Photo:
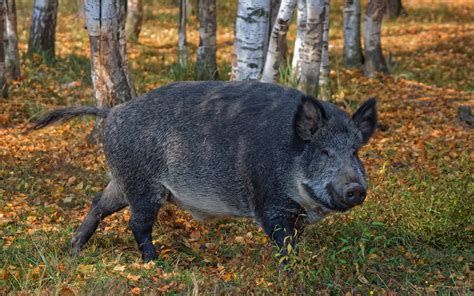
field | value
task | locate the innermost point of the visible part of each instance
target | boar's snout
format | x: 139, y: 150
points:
x: 354, y: 194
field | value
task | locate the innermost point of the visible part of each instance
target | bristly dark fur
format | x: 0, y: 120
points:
x: 64, y: 114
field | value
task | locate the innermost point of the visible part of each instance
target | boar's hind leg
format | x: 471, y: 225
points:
x: 104, y: 204
x: 143, y: 216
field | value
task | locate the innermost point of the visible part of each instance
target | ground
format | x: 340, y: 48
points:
x: 414, y: 234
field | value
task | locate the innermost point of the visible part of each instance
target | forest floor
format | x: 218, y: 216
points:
x: 414, y: 234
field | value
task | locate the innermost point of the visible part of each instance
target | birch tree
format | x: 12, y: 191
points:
x: 12, y: 56
x: 182, y: 43
x: 300, y: 33
x: 206, y: 53
x: 395, y: 8
x: 274, y: 8
x: 3, y: 82
x: 353, y: 57
x: 134, y: 19
x: 374, y: 59
x: 277, y: 42
x: 324, y: 77
x: 43, y: 28
x: 105, y: 20
x: 312, y: 47
x: 251, y: 30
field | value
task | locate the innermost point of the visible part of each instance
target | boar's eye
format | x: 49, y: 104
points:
x: 325, y: 152
x: 354, y: 153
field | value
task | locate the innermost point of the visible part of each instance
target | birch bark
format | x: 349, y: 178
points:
x: 251, y: 29
x: 277, y: 44
x: 374, y: 59
x: 43, y: 28
x: 353, y: 57
x: 274, y: 8
x: 324, y: 77
x: 300, y: 33
x: 312, y: 48
x: 182, y: 44
x: 109, y: 63
x: 206, y: 53
x: 3, y: 82
x: 12, y: 56
x: 134, y: 19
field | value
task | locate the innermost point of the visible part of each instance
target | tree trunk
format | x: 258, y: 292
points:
x: 274, y: 8
x: 122, y: 40
x: 300, y: 32
x: 134, y: 20
x: 43, y: 28
x: 3, y: 82
x: 395, y: 8
x: 324, y: 77
x: 374, y: 59
x: 312, y: 48
x: 277, y: 44
x: 182, y: 44
x: 105, y: 21
x: 206, y: 53
x: 12, y: 55
x: 353, y: 57
x: 251, y: 29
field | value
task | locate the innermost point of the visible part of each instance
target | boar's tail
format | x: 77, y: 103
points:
x: 64, y: 114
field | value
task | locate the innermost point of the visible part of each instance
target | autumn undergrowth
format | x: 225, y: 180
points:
x: 414, y: 234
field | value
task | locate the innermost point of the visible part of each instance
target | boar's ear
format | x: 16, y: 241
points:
x: 366, y: 118
x: 309, y: 118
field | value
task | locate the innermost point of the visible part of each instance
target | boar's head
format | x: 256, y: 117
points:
x: 330, y: 174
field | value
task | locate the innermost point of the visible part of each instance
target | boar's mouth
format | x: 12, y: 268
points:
x: 334, y: 204
x: 337, y: 200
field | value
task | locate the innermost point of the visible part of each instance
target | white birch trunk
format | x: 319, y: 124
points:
x: 134, y: 19
x: 274, y: 8
x: 3, y: 81
x: 105, y: 20
x: 206, y: 53
x: 374, y: 59
x: 251, y: 29
x: 277, y: 43
x: 12, y: 56
x: 353, y: 57
x: 182, y: 43
x: 108, y: 52
x: 312, y: 48
x: 324, y: 77
x: 300, y: 33
x: 43, y: 28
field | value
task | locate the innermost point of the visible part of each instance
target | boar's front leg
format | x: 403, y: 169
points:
x: 104, y: 204
x: 279, y: 223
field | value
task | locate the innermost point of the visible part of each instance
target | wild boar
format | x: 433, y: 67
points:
x: 219, y: 149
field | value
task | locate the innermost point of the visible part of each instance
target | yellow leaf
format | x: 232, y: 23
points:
x: 132, y: 277
x: 149, y: 265
x: 136, y: 291
x: 3, y: 274
x: 80, y: 186
x: 119, y: 268
x: 85, y: 268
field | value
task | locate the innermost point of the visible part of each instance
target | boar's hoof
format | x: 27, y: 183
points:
x: 149, y: 254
